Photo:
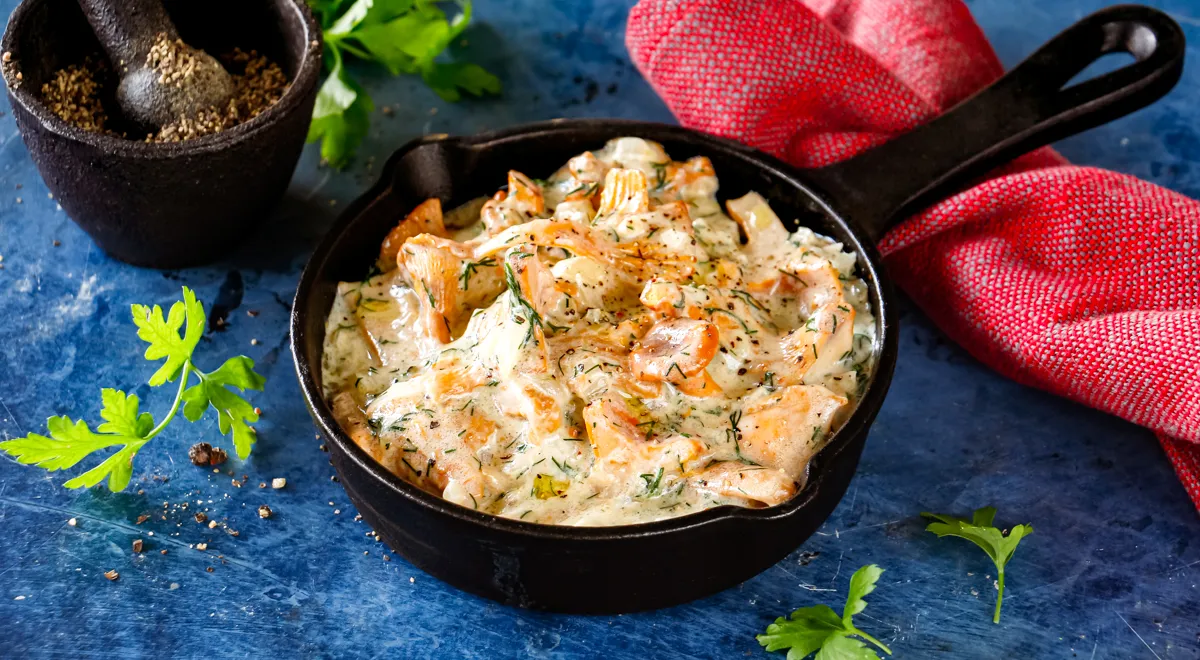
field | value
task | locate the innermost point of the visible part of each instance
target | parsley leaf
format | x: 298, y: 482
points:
x: 446, y: 79
x: 405, y: 36
x: 818, y: 629
x: 120, y: 414
x: 979, y: 530
x: 69, y: 442
x: 163, y: 334
x: 172, y: 338
x: 341, y: 115
x: 233, y: 412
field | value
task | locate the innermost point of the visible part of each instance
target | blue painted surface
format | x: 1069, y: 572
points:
x: 1110, y: 573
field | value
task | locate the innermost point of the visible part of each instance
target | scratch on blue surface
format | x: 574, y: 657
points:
x: 134, y: 531
x: 11, y: 418
x: 1184, y: 19
x: 1139, y: 636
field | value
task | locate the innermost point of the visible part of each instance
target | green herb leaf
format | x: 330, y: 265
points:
x: 818, y: 629
x: 233, y: 412
x: 546, y: 487
x: 121, y: 416
x: 125, y: 426
x: 845, y: 648
x: 327, y: 11
x: 408, y: 43
x: 979, y: 530
x: 341, y: 115
x: 163, y: 334
x: 520, y: 304
x: 862, y: 583
x: 446, y: 79
x: 405, y: 36
x: 118, y: 468
x: 353, y: 16
x: 69, y: 442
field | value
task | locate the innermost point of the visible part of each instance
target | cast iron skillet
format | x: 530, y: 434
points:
x: 637, y: 567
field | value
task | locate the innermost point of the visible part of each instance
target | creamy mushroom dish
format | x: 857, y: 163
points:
x: 606, y: 346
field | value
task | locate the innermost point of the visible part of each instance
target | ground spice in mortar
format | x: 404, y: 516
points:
x: 176, y: 61
x: 258, y: 83
x: 74, y: 93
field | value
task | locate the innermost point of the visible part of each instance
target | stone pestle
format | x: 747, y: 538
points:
x: 162, y: 79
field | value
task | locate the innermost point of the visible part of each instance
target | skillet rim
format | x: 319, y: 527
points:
x: 855, y: 428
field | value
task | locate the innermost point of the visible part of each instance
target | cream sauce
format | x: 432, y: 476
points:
x: 604, y: 347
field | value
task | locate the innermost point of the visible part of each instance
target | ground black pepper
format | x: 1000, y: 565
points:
x: 75, y: 93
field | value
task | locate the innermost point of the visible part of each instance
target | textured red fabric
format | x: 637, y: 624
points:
x: 1079, y: 281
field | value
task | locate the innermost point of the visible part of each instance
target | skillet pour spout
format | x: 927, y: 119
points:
x: 638, y: 567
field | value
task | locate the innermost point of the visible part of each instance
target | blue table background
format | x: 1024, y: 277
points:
x: 1110, y: 573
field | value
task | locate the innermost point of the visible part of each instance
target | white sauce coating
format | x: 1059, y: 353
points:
x: 604, y: 347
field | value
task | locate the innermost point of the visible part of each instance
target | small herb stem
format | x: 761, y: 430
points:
x: 184, y: 373
x: 874, y: 641
x: 353, y: 50
x: 999, y: 595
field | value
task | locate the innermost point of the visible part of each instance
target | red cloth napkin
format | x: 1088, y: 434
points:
x: 1079, y: 281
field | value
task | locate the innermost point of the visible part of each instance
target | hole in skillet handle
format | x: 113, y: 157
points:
x: 1029, y: 107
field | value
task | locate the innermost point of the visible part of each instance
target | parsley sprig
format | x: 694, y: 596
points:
x: 173, y: 339
x: 405, y: 36
x: 979, y: 530
x: 818, y: 629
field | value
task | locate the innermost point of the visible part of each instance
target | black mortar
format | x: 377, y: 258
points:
x: 166, y: 205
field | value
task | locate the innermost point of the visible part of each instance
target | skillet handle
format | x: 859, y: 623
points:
x: 1025, y: 109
